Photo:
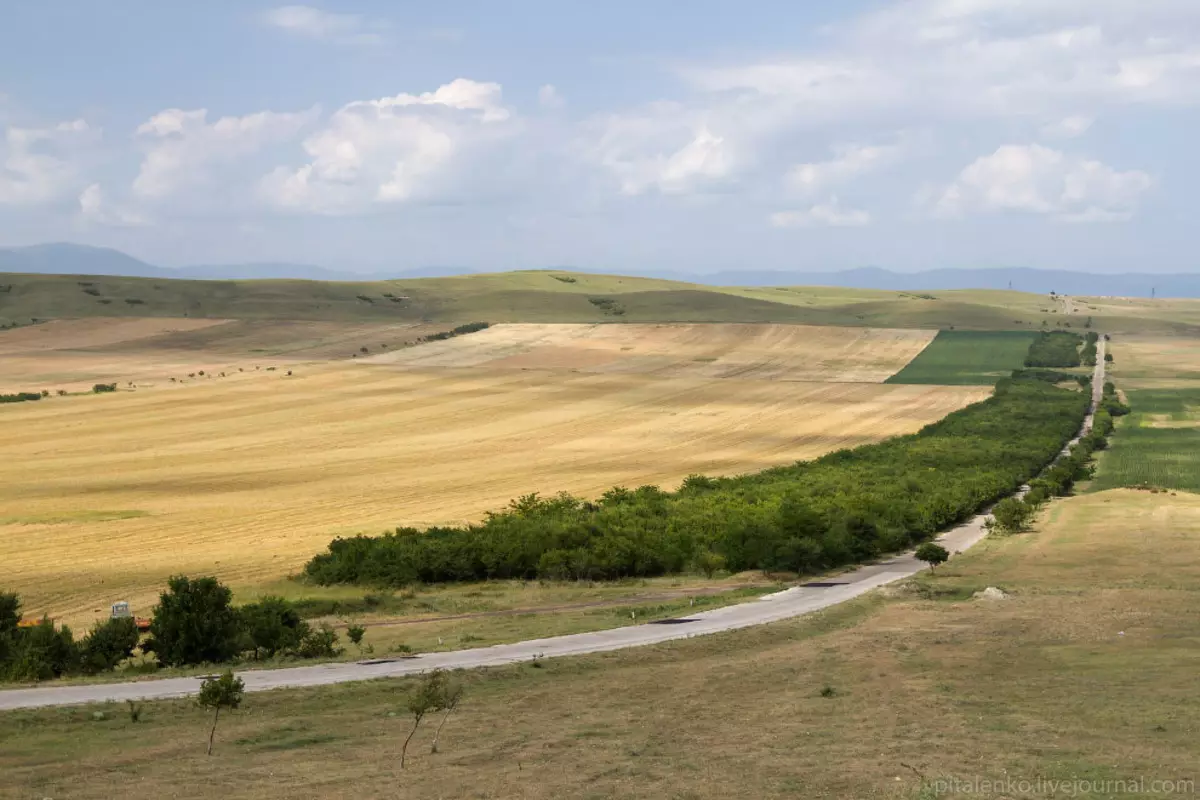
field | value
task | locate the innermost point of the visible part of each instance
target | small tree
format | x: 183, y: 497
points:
x: 435, y: 692
x: 451, y: 694
x: 320, y: 642
x: 709, y: 562
x: 109, y: 643
x: 932, y: 554
x: 1011, y: 515
x: 217, y: 693
x: 194, y: 623
x: 273, y: 625
x: 355, y: 633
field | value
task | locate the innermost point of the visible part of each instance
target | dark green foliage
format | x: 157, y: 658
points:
x: 1011, y: 515
x: 42, y: 652
x: 20, y: 397
x: 608, y: 305
x: 101, y: 388
x: 461, y: 330
x: 355, y: 634
x: 194, y: 623
x: 319, y: 642
x: 843, y: 507
x: 273, y: 626
x: 932, y: 554
x: 563, y: 278
x: 108, y: 644
x: 1088, y: 354
x: 133, y: 301
x: 967, y: 358
x: 1055, y: 349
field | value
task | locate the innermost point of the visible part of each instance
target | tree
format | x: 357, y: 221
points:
x: 436, y: 692
x: 42, y: 652
x: 273, y: 626
x: 319, y: 643
x: 709, y: 562
x: 109, y: 643
x: 1011, y: 515
x: 217, y: 693
x: 932, y: 554
x: 355, y: 633
x: 194, y: 623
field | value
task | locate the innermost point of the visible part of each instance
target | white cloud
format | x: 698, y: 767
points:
x: 823, y: 215
x: 663, y: 148
x: 389, y: 150
x: 549, y: 97
x: 313, y: 23
x: 978, y: 58
x: 182, y: 148
x: 849, y: 162
x: 40, y: 165
x: 95, y: 207
x: 1039, y: 180
x: 1069, y: 127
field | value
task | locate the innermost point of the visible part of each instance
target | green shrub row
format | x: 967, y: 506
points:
x: 470, y: 327
x: 1088, y: 354
x: 194, y: 623
x: 1055, y: 349
x: 20, y: 397
x: 841, y: 508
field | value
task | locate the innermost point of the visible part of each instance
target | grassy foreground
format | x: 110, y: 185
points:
x: 1084, y: 673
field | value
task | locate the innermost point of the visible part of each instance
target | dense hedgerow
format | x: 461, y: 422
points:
x: 841, y: 508
x: 1088, y: 354
x: 470, y: 327
x: 1055, y: 349
x: 20, y: 397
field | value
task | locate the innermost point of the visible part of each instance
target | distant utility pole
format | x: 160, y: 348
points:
x: 1152, y: 291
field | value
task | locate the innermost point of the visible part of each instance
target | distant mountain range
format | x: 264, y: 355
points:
x: 73, y: 259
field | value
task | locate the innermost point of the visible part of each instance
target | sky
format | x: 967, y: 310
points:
x: 623, y: 136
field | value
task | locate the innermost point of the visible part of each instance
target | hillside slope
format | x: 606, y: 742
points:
x: 544, y: 296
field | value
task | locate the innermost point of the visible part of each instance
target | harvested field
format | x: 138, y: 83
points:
x: 249, y: 476
x: 765, y: 352
x: 74, y: 354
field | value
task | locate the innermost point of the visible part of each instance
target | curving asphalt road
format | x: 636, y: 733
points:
x: 771, y: 608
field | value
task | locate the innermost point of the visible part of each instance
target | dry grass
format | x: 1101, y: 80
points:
x: 768, y: 352
x: 1155, y: 362
x: 247, y: 477
x: 1085, y: 672
x: 73, y: 354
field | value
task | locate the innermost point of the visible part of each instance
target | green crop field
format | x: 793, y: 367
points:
x: 967, y: 358
x: 1157, y: 445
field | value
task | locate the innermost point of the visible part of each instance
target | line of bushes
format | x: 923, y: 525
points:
x: 470, y: 327
x: 1088, y: 354
x: 195, y: 622
x: 1055, y: 349
x: 20, y: 397
x: 1013, y: 515
x: 842, y: 508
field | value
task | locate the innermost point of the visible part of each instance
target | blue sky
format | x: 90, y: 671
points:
x: 697, y: 136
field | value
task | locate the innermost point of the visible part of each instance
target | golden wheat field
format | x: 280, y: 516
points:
x: 246, y: 477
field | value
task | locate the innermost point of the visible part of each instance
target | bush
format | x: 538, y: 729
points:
x: 42, y: 652
x: 932, y: 554
x: 108, y: 644
x: 1011, y: 515
x: 273, y: 626
x: 101, y: 388
x: 20, y: 397
x: 320, y: 643
x: 194, y: 623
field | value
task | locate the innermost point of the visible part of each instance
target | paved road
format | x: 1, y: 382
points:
x: 771, y: 608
